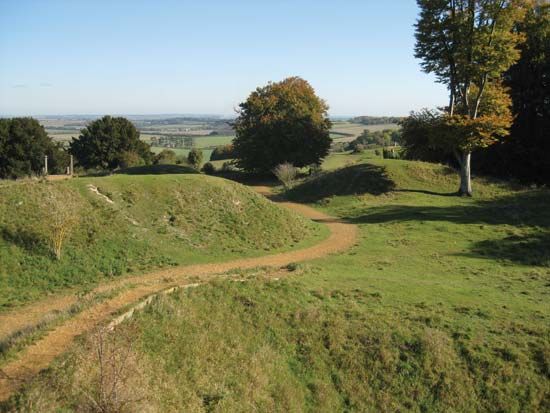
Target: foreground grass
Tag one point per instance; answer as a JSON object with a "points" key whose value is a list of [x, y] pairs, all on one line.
{"points": [[136, 223], [442, 306]]}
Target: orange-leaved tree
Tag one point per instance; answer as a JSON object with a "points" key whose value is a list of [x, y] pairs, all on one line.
{"points": [[468, 45]]}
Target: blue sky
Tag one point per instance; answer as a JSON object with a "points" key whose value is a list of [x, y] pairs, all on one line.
{"points": [[204, 57]]}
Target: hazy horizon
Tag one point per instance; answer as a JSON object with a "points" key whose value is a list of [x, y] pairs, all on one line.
{"points": [[67, 58]]}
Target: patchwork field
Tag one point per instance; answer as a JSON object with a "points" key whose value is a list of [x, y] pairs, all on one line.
{"points": [[347, 131]]}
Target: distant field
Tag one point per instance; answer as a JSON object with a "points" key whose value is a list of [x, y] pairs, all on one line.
{"points": [[200, 142], [60, 136], [341, 129], [205, 152]]}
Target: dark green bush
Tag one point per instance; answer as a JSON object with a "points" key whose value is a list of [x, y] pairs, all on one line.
{"points": [[391, 153], [222, 152], [208, 168]]}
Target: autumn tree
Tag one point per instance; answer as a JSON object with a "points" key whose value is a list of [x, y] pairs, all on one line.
{"points": [[282, 122], [468, 45]]}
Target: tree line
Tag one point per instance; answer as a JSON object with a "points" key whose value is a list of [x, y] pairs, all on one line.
{"points": [[493, 56], [376, 120], [282, 122]]}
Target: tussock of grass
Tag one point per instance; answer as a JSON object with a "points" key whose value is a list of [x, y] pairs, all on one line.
{"points": [[152, 222]]}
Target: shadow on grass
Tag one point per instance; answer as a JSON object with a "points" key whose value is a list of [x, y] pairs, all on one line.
{"points": [[529, 249], [25, 239], [157, 170], [522, 208], [528, 211], [426, 192], [352, 180]]}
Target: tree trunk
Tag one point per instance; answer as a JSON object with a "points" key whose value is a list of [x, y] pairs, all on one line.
{"points": [[465, 178]]}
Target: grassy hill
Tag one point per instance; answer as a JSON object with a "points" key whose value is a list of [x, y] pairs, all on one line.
{"points": [[131, 223], [442, 306]]}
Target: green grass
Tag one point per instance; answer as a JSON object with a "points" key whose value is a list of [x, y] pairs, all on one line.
{"points": [[442, 306], [155, 221], [341, 159]]}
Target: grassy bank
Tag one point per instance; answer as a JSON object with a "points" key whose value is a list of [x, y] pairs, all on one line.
{"points": [[131, 224], [442, 306]]}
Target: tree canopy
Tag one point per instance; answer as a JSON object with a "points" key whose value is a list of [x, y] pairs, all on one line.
{"points": [[110, 143], [468, 45], [282, 122], [23, 145], [525, 154], [384, 137]]}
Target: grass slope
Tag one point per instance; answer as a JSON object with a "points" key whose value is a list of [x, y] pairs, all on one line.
{"points": [[441, 307], [154, 221]]}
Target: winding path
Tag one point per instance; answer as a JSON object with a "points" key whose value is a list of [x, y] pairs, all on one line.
{"points": [[37, 356]]}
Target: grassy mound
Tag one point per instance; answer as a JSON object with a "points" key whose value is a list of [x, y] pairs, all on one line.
{"points": [[441, 306], [130, 224]]}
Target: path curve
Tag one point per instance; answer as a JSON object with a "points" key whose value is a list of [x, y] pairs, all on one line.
{"points": [[39, 355]]}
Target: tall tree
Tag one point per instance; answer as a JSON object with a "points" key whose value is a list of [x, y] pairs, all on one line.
{"points": [[279, 123], [23, 145], [109, 143], [527, 152], [468, 45]]}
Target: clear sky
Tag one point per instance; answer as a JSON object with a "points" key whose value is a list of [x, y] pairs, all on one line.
{"points": [[204, 57]]}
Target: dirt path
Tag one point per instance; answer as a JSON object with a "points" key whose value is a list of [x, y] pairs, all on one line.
{"points": [[40, 354]]}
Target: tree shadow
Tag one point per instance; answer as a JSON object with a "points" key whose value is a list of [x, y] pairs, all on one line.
{"points": [[27, 240], [352, 180], [426, 192], [523, 208], [160, 169], [527, 210], [529, 249]]}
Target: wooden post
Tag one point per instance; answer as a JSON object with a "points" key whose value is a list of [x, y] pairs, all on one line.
{"points": [[72, 166], [45, 164]]}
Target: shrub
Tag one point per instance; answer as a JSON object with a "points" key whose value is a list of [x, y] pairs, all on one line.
{"points": [[391, 153], [228, 167], [60, 217], [222, 152], [129, 159], [209, 168], [315, 169], [338, 147], [166, 156], [286, 173], [195, 158], [377, 152], [359, 148]]}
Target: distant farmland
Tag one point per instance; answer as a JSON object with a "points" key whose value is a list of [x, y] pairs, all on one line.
{"points": [[348, 131], [63, 130]]}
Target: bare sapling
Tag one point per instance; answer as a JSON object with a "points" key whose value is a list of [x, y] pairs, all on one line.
{"points": [[61, 217], [286, 173], [113, 372]]}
